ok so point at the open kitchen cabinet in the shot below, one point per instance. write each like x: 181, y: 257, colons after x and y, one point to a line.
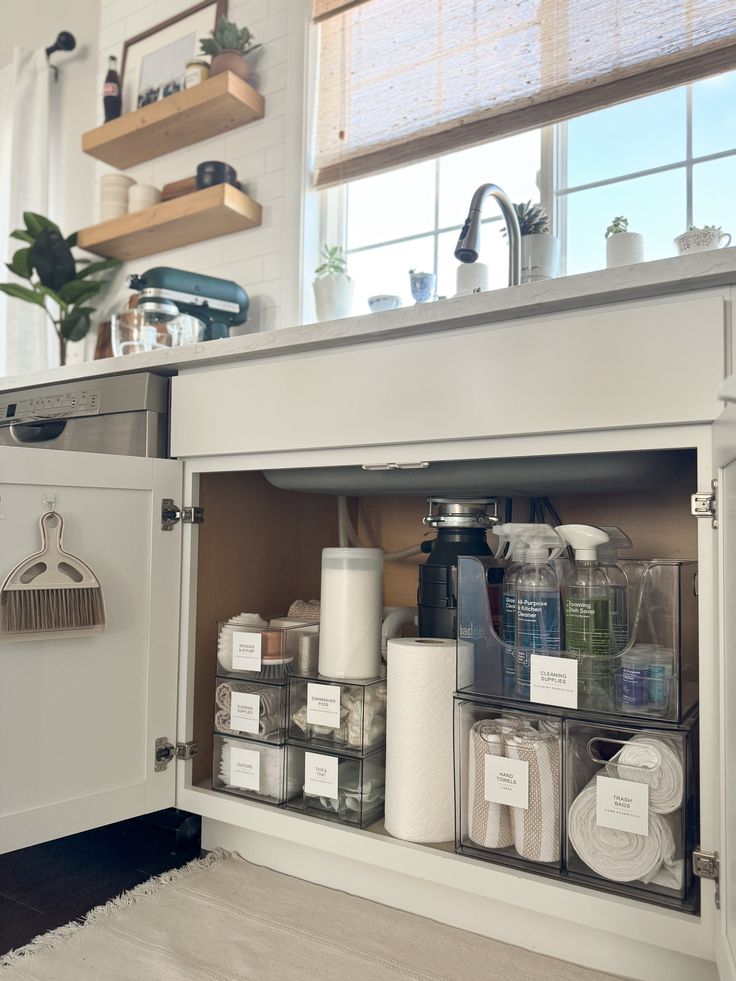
x: 267, y: 517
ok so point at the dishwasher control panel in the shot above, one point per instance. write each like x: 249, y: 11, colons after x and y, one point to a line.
x: 59, y: 405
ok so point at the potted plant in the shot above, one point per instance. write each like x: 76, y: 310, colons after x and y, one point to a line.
x: 228, y: 46
x: 623, y: 248
x: 333, y: 288
x: 58, y: 282
x: 540, y: 249
x: 702, y: 239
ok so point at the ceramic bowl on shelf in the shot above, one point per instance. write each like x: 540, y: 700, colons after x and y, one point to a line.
x: 383, y: 301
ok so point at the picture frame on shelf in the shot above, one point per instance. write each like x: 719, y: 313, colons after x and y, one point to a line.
x: 154, y: 62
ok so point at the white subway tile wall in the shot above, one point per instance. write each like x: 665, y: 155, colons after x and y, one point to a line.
x: 263, y: 260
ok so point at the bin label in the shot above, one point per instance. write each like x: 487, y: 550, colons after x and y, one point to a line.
x: 622, y: 805
x: 320, y: 775
x: 245, y: 711
x: 323, y: 705
x: 507, y: 781
x: 246, y: 651
x: 245, y: 769
x: 554, y: 681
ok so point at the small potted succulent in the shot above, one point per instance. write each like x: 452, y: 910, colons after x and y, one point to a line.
x: 540, y: 249
x: 702, y: 238
x: 228, y: 46
x: 333, y: 288
x: 623, y: 248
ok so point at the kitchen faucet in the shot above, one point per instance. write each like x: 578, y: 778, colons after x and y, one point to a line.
x: 468, y: 244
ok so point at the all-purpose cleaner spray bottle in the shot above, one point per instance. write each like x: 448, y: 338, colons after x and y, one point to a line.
x: 537, y: 602
x: 607, y: 557
x: 588, y: 611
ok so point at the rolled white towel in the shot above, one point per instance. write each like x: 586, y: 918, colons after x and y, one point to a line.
x: 656, y: 761
x: 621, y: 856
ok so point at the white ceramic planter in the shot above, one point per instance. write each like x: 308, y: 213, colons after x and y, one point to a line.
x: 540, y: 257
x: 333, y: 297
x: 624, y: 249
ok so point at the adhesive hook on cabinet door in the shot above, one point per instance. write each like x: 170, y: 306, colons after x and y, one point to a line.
x: 49, y: 502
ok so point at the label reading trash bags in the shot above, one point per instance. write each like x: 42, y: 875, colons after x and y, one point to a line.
x: 622, y: 805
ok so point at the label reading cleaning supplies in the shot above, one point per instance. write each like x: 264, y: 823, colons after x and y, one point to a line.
x: 323, y: 705
x: 320, y: 775
x: 245, y: 711
x: 245, y: 769
x: 246, y: 651
x: 622, y: 805
x: 554, y: 681
x: 506, y: 781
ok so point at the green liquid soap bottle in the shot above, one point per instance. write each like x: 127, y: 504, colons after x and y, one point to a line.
x: 588, y: 613
x: 607, y: 557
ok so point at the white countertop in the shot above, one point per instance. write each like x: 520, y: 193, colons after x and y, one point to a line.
x: 665, y: 276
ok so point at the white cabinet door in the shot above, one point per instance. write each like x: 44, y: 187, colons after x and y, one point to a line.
x: 79, y: 716
x: 725, y: 460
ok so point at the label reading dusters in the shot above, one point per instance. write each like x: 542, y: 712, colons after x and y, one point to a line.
x: 245, y: 711
x: 622, y: 805
x: 246, y: 651
x: 323, y: 705
x: 320, y: 775
x: 507, y: 781
x: 245, y: 769
x: 554, y: 681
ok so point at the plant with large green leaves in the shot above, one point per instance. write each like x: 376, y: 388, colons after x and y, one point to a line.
x: 57, y: 281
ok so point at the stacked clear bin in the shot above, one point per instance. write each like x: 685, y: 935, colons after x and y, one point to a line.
x: 631, y: 717
x: 251, y: 706
x: 337, y: 735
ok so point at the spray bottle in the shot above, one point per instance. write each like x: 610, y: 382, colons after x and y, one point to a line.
x: 511, y: 548
x: 607, y: 556
x: 587, y: 602
x: 537, y: 601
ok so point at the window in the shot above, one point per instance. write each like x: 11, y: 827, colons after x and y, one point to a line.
x: 665, y: 161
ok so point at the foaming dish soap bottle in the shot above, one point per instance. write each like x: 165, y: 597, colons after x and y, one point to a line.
x: 607, y: 557
x: 587, y: 605
x: 537, y: 605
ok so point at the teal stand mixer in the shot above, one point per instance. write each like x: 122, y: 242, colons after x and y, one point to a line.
x: 218, y: 303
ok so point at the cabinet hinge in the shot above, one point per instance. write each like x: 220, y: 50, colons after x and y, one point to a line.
x: 705, y: 505
x: 171, y: 513
x: 707, y: 866
x: 165, y: 752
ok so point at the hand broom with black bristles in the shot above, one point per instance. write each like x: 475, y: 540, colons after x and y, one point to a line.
x: 51, y: 590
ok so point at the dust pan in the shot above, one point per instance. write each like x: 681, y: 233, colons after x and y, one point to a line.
x: 51, y: 590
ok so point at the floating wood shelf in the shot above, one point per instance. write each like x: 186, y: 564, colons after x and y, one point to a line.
x: 216, y: 106
x: 215, y: 211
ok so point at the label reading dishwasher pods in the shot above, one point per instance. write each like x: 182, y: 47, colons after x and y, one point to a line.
x: 507, y: 781
x: 323, y: 705
x: 245, y: 769
x: 320, y: 775
x: 622, y: 805
x: 245, y: 711
x: 246, y: 651
x: 554, y: 681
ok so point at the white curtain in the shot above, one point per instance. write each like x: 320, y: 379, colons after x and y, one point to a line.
x: 26, y: 339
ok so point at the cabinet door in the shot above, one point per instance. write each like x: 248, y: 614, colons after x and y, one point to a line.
x: 725, y: 460
x: 79, y: 715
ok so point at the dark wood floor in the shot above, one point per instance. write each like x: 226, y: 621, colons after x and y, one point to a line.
x: 48, y: 885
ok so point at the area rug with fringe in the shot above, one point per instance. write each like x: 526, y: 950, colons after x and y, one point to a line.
x: 223, y: 919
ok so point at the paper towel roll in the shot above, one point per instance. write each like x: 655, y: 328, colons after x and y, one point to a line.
x: 419, y: 765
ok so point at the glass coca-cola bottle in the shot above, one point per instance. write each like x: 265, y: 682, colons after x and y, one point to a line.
x: 111, y: 92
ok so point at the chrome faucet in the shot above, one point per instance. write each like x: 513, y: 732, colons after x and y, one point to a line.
x: 468, y: 245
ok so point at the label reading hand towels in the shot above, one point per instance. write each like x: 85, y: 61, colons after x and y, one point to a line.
x: 507, y: 781
x: 323, y: 705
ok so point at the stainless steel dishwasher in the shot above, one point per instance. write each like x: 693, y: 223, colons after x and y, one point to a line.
x: 125, y: 415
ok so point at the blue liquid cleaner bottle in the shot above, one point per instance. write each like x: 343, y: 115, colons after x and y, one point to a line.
x: 537, y: 608
x: 608, y: 558
x: 588, y: 611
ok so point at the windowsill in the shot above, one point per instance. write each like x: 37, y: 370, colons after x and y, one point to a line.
x: 663, y: 277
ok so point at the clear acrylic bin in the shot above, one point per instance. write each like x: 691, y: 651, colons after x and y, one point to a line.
x: 348, y: 716
x: 631, y: 806
x: 253, y: 769
x: 337, y: 787
x: 654, y: 677
x: 508, y: 786
x: 260, y: 653
x: 253, y: 709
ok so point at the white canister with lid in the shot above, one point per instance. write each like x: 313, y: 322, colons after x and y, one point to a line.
x: 351, y: 613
